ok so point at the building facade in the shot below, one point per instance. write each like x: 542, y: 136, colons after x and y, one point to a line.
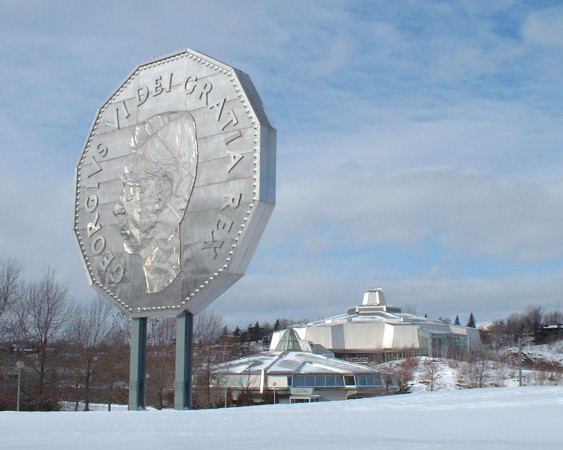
x: 377, y: 332
x: 296, y: 370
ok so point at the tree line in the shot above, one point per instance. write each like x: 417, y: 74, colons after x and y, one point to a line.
x: 67, y: 350
x: 79, y: 353
x: 517, y: 325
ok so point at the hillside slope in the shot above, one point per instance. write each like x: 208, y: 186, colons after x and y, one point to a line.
x: 542, y: 366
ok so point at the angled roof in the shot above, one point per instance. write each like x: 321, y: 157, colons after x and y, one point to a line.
x: 289, y: 363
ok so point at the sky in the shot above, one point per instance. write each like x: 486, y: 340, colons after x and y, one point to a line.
x: 497, y: 418
x: 418, y: 149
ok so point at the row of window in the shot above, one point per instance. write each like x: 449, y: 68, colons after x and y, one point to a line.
x: 334, y: 380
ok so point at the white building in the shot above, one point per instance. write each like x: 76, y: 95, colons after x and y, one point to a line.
x: 300, y: 371
x: 375, y: 331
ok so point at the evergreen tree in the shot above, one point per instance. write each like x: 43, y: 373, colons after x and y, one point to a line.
x: 256, y: 332
x: 471, y: 321
x: 250, y: 333
x: 277, y: 325
x: 456, y: 321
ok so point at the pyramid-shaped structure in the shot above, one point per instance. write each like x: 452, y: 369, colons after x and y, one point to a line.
x: 290, y: 342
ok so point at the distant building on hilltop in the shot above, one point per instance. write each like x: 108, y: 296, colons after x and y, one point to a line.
x: 548, y: 333
x: 376, y: 332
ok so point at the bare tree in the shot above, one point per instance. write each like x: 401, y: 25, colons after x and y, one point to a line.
x: 114, y: 361
x: 514, y: 325
x: 404, y: 371
x: 88, y: 329
x: 532, y: 318
x: 245, y: 397
x: 11, y: 287
x: 475, y: 372
x: 553, y: 317
x: 387, y: 380
x: 161, y: 360
x: 207, y: 331
x: 431, y: 368
x: 40, y: 317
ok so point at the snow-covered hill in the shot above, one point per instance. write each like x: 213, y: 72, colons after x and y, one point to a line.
x: 504, y: 418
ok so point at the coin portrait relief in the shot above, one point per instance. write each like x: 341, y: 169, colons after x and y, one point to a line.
x: 158, y: 181
x: 175, y: 185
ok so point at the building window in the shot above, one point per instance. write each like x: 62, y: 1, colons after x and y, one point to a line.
x: 368, y: 380
x: 361, y: 380
x: 318, y: 381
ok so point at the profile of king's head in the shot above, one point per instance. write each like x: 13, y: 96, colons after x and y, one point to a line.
x: 158, y: 181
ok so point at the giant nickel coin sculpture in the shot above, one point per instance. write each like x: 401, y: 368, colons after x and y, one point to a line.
x: 175, y: 185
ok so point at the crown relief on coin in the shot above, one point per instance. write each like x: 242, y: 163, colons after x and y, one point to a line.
x: 175, y: 185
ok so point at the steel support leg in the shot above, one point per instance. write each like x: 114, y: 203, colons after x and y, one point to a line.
x: 138, y: 364
x: 184, y: 358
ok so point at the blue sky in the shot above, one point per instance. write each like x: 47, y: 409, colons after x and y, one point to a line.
x: 419, y: 143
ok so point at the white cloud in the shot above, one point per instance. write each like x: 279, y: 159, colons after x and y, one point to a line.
x: 488, y: 299
x: 334, y: 57
x: 318, y: 294
x: 467, y: 212
x: 544, y: 27
x: 402, y: 130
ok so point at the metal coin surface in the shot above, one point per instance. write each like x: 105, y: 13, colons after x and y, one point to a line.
x: 175, y: 185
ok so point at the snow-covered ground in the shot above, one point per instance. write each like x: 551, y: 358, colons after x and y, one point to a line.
x: 500, y: 418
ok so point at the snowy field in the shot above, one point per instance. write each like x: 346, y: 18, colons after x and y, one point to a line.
x: 505, y: 418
